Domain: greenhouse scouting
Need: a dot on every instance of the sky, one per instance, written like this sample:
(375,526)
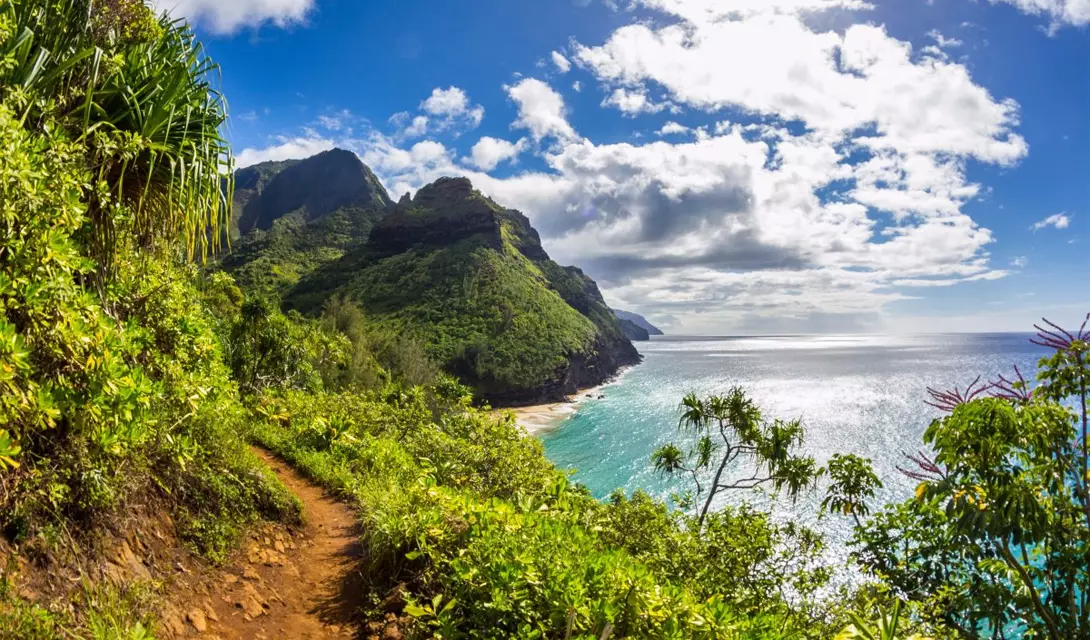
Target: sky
(720,166)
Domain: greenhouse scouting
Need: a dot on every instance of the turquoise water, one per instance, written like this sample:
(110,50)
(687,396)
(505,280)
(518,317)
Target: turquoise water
(855,394)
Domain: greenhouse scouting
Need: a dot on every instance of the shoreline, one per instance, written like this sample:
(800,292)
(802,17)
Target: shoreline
(539,419)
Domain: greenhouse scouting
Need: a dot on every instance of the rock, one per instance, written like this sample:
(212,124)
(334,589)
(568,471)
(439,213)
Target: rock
(279,546)
(173,623)
(197,619)
(250,574)
(251,602)
(392,632)
(128,560)
(395,601)
(210,613)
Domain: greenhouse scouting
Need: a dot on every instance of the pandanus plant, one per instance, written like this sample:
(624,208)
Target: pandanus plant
(138,91)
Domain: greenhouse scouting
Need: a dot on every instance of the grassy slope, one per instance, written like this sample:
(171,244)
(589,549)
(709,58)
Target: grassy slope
(470,280)
(271,262)
(490,313)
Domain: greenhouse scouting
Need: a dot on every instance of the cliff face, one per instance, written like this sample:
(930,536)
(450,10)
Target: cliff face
(639,321)
(313,187)
(633,331)
(470,279)
(299,215)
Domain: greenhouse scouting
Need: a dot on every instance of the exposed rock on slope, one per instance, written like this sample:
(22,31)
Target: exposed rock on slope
(633,331)
(471,280)
(313,187)
(299,215)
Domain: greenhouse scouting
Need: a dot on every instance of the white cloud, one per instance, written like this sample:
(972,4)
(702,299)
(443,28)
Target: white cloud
(1059,221)
(563,65)
(489,152)
(416,128)
(451,102)
(285,149)
(843,193)
(447,109)
(1072,12)
(228,16)
(942,41)
(577,86)
(673,128)
(541,110)
(632,102)
(1019,262)
(861,80)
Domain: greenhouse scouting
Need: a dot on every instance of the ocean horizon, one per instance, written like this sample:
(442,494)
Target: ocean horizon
(862,393)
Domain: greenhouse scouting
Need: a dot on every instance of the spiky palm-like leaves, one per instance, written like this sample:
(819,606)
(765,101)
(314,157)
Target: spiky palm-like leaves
(138,92)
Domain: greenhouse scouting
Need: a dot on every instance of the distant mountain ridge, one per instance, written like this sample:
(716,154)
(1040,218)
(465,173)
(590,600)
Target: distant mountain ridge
(314,187)
(471,280)
(297,215)
(639,321)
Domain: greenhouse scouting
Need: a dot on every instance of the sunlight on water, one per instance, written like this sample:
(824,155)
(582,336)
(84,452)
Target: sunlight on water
(855,394)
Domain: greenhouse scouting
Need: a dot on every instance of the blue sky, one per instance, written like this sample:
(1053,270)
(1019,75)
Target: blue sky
(722,166)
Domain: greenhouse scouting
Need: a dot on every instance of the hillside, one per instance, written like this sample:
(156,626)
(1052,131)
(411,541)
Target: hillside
(470,280)
(296,216)
(639,321)
(633,331)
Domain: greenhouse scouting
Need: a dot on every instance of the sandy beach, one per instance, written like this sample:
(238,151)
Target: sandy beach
(542,418)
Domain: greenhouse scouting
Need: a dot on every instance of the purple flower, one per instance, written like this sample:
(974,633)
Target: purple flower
(1055,337)
(950,400)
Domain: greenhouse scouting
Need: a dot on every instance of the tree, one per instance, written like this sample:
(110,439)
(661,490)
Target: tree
(731,429)
(136,91)
(996,542)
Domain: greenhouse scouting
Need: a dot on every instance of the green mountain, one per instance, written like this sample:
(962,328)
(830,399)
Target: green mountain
(470,279)
(298,215)
(636,324)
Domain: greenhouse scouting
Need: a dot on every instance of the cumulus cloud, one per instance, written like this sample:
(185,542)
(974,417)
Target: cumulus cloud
(284,149)
(632,102)
(942,41)
(1019,262)
(860,80)
(831,185)
(563,65)
(228,16)
(672,128)
(1061,12)
(452,107)
(1058,221)
(541,110)
(489,152)
(447,109)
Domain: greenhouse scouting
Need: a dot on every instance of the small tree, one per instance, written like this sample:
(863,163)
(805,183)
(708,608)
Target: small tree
(996,542)
(730,430)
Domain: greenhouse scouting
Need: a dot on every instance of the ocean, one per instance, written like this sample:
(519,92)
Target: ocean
(855,394)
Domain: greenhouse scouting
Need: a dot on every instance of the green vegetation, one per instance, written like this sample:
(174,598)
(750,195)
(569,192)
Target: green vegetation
(487,540)
(470,281)
(738,423)
(128,375)
(995,542)
(298,216)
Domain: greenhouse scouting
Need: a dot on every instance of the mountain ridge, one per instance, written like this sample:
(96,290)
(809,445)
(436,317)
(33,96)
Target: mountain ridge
(639,321)
(470,279)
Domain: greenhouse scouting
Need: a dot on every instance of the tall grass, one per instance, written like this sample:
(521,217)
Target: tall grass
(139,92)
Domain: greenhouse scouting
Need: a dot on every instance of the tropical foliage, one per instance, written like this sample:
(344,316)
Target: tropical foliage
(995,542)
(467,520)
(128,374)
(731,428)
(135,93)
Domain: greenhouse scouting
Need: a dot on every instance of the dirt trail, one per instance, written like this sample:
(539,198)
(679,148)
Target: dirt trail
(303,585)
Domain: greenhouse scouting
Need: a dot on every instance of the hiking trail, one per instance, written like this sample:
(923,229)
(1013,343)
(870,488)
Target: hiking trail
(302,585)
